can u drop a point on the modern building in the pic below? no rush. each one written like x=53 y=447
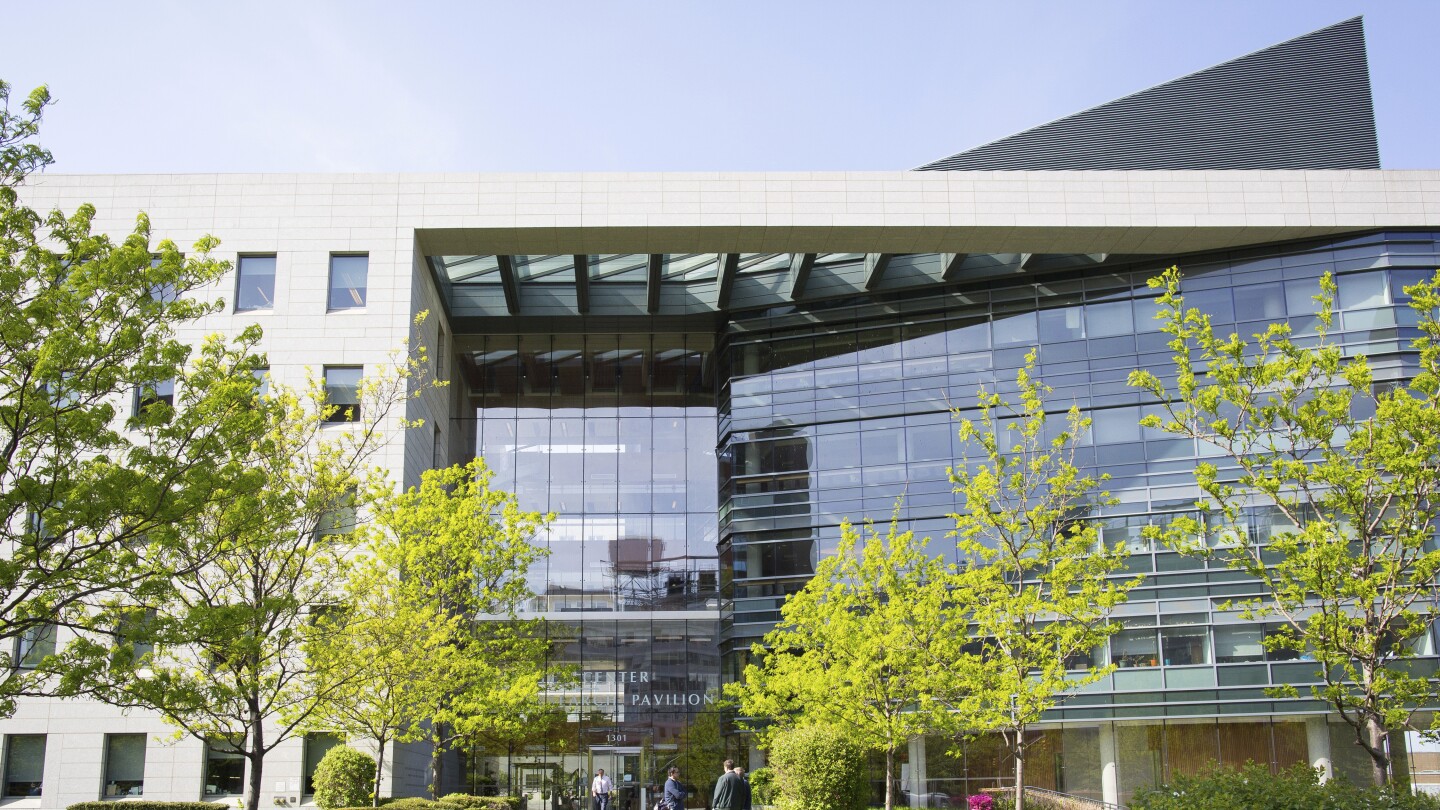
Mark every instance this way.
x=702 y=374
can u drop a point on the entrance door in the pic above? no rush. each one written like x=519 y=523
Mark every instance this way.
x=626 y=768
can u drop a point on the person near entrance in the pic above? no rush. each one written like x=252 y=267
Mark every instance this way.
x=600 y=791
x=727 y=789
x=674 y=797
x=742 y=790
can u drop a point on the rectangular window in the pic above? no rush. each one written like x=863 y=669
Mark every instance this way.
x=255 y=283
x=24 y=764
x=33 y=645
x=133 y=628
x=1184 y=646
x=124 y=765
x=262 y=381
x=1238 y=644
x=340 y=519
x=1134 y=648
x=224 y=768
x=163 y=292
x=154 y=394
x=348 y=275
x=317 y=745
x=342 y=393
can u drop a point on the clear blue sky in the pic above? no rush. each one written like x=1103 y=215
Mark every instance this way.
x=605 y=85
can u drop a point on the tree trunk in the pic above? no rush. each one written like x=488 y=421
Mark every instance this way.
x=1377 y=745
x=1020 y=769
x=379 y=772
x=256 y=756
x=890 y=777
x=437 y=763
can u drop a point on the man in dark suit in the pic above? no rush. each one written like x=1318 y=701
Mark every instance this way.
x=742 y=790
x=727 y=789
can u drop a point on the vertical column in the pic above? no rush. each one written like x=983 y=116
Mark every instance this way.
x=919 y=781
x=1109 y=765
x=1317 y=738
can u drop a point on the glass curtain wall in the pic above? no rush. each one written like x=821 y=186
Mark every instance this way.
x=616 y=435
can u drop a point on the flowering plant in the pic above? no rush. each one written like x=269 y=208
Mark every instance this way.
x=981 y=801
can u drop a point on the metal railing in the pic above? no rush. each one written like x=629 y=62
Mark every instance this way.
x=1055 y=800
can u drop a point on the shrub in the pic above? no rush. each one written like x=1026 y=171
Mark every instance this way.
x=344 y=778
x=1255 y=788
x=762 y=786
x=146 y=805
x=468 y=802
x=819 y=768
x=980 y=801
x=417 y=803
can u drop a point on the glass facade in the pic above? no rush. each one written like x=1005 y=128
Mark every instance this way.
x=615 y=434
x=699 y=477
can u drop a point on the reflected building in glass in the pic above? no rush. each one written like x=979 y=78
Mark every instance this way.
x=702 y=375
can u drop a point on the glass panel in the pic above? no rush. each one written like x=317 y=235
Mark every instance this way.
x=255 y=283
x=24 y=764
x=34 y=645
x=224 y=770
x=348 y=276
x=125 y=765
x=1184 y=646
x=1362 y=290
x=1238 y=644
x=1260 y=302
x=1134 y=648
x=1110 y=319
x=342 y=390
x=316 y=746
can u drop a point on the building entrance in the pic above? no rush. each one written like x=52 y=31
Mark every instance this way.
x=626 y=768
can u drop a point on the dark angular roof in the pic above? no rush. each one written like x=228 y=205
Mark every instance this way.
x=1302 y=104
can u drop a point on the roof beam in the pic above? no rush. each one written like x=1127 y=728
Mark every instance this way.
x=800 y=266
x=652 y=282
x=875 y=264
x=950 y=265
x=508 y=282
x=1025 y=259
x=729 y=264
x=582 y=282
x=1098 y=258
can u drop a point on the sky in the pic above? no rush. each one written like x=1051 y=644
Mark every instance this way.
x=612 y=85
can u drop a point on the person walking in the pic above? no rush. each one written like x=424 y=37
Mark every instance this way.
x=742 y=790
x=674 y=797
x=600 y=791
x=726 y=790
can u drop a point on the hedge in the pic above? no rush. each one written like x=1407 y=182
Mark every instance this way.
x=344 y=776
x=147 y=805
x=469 y=802
x=1255 y=788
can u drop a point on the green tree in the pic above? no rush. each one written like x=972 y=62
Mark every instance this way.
x=852 y=649
x=113 y=443
x=225 y=640
x=1353 y=465
x=458 y=552
x=1035 y=587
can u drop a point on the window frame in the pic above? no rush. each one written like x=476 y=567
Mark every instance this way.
x=346 y=412
x=331 y=289
x=240 y=280
x=107 y=781
x=10 y=761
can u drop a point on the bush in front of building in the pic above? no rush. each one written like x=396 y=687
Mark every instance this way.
x=345 y=777
x=1253 y=787
x=415 y=803
x=762 y=786
x=469 y=802
x=144 y=805
x=819 y=768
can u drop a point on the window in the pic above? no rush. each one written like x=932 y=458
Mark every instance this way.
x=1238 y=644
x=255 y=283
x=339 y=519
x=316 y=746
x=342 y=392
x=124 y=765
x=262 y=380
x=224 y=768
x=33 y=645
x=1134 y=648
x=1184 y=646
x=347 y=281
x=154 y=394
x=132 y=629
x=163 y=292
x=24 y=764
